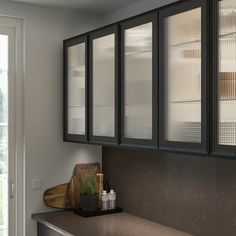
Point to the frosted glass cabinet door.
(139, 103)
(103, 70)
(225, 78)
(183, 114)
(75, 86)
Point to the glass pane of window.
(104, 86)
(76, 89)
(138, 82)
(183, 77)
(227, 72)
(3, 135)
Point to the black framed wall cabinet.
(183, 75)
(103, 85)
(164, 79)
(75, 89)
(139, 81)
(224, 77)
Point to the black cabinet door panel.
(224, 78)
(183, 77)
(75, 89)
(103, 85)
(139, 81)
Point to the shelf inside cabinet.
(185, 43)
(228, 99)
(104, 105)
(199, 101)
(221, 36)
(74, 106)
(78, 67)
(225, 35)
(140, 55)
(137, 104)
(186, 101)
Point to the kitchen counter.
(120, 224)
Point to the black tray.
(98, 212)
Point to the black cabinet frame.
(113, 29)
(217, 149)
(170, 10)
(136, 21)
(66, 44)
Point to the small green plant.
(88, 184)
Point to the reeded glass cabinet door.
(103, 87)
(75, 86)
(183, 114)
(139, 81)
(225, 77)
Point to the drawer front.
(45, 231)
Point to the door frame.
(14, 28)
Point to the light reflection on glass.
(76, 89)
(227, 72)
(104, 86)
(138, 82)
(183, 77)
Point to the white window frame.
(14, 28)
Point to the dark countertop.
(120, 224)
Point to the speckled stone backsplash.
(195, 194)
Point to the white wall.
(134, 9)
(46, 156)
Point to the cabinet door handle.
(12, 189)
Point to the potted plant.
(88, 192)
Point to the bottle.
(105, 201)
(100, 182)
(100, 188)
(112, 200)
(107, 186)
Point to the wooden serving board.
(67, 196)
(58, 197)
(74, 192)
(82, 169)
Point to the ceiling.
(96, 6)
